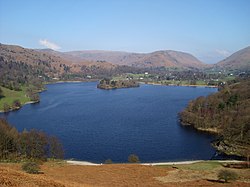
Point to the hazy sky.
(208, 29)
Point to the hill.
(238, 61)
(29, 64)
(22, 65)
(226, 113)
(167, 58)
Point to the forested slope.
(33, 144)
(226, 112)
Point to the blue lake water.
(95, 125)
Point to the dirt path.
(82, 163)
(85, 163)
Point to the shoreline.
(43, 90)
(86, 163)
(26, 103)
(151, 83)
(60, 82)
(186, 85)
(214, 131)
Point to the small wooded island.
(108, 84)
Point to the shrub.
(133, 158)
(34, 97)
(108, 161)
(31, 167)
(227, 175)
(6, 107)
(16, 104)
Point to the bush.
(133, 158)
(34, 97)
(108, 161)
(6, 107)
(31, 167)
(227, 175)
(16, 104)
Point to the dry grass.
(62, 174)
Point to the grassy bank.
(9, 96)
(202, 165)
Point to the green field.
(207, 165)
(10, 95)
(199, 166)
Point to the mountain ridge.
(240, 60)
(161, 58)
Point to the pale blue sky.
(208, 29)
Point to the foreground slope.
(61, 174)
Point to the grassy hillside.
(9, 96)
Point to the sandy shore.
(85, 163)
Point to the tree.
(193, 82)
(16, 86)
(227, 175)
(33, 144)
(31, 167)
(108, 161)
(8, 140)
(56, 148)
(35, 97)
(6, 107)
(1, 93)
(16, 104)
(133, 158)
(37, 144)
(23, 141)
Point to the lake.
(95, 125)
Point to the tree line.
(27, 145)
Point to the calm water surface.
(95, 125)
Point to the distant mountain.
(165, 58)
(239, 61)
(25, 65)
(52, 59)
(29, 56)
(103, 59)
